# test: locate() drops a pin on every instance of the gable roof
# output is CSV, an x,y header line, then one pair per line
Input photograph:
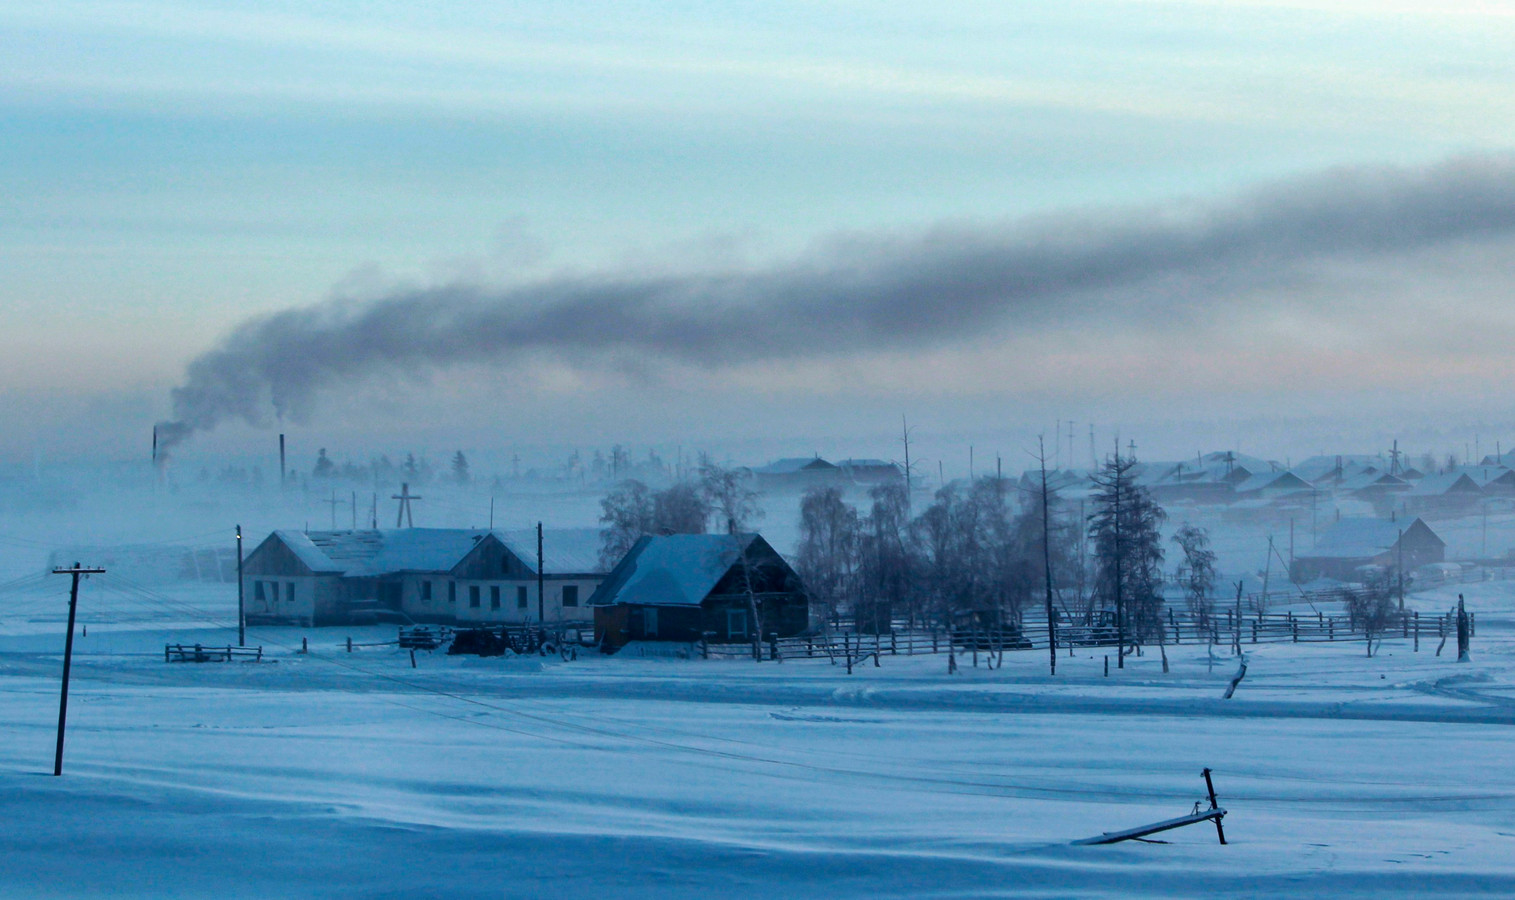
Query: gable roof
x,y
1453,482
792,465
1362,538
564,550
1363,480
1273,481
362,554
674,569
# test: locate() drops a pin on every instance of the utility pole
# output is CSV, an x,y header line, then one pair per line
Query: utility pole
x,y
353,505
333,503
909,477
68,656
403,516
241,609
541,578
1041,446
1120,612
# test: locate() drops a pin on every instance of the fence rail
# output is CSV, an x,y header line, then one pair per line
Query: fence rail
x,y
200,653
842,643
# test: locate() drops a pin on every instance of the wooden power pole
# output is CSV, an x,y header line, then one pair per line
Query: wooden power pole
x,y
241,609
68,656
541,578
1041,445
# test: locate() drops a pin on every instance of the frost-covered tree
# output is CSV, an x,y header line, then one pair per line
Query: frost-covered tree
x,y
1197,572
460,472
827,560
888,565
1372,608
1128,552
325,468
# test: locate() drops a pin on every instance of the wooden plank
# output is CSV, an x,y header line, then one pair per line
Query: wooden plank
x,y
1111,837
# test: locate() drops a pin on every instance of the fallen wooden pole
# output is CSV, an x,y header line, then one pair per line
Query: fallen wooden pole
x,y
1213,814
1111,837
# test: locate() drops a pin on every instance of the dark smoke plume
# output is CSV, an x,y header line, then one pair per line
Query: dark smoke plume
x,y
1168,265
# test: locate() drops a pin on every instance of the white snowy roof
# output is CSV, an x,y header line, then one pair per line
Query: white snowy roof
x,y
361,554
1445,483
564,550
792,465
314,557
1273,481
671,570
1359,538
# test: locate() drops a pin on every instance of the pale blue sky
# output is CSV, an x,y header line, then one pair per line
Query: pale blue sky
x,y
170,168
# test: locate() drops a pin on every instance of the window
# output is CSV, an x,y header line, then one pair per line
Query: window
x,y
258,591
736,623
520,598
425,592
452,592
570,595
494,596
473,596
289,592
649,622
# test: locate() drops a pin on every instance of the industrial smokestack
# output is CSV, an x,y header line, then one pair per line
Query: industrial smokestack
x,y
282,469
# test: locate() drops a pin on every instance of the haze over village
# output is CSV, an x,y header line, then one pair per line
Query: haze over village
x,y
720,449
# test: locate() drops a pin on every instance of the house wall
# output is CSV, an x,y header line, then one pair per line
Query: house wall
x,y
460,611
309,592
510,613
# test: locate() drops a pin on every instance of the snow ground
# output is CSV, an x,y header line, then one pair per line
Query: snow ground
x,y
354,775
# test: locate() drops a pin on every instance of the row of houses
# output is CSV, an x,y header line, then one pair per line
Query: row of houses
x,y
675,587
799,473
1248,484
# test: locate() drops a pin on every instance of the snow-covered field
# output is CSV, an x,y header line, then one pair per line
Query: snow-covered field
x,y
354,775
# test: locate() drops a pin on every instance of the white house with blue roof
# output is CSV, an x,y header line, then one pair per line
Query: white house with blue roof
x,y
446,575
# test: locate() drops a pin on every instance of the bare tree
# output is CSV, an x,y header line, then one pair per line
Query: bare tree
x,y
1197,573
828,550
730,498
1371,608
633,510
680,509
628,513
887,561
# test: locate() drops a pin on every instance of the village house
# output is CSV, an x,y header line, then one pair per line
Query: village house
x,y
796,473
692,587
1351,548
444,575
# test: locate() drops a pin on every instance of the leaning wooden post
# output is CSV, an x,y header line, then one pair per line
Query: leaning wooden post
x,y
1220,831
1462,631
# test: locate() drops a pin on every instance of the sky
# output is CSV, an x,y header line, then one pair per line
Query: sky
x,y
765,227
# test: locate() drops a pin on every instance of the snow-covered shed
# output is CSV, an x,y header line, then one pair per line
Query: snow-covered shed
x,y
449,575
799,471
685,587
1351,543
871,471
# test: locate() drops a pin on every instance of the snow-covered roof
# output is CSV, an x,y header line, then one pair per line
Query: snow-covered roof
x,y
1360,538
361,554
791,465
865,464
564,550
312,555
1445,483
1275,481
671,570
1317,468
1364,480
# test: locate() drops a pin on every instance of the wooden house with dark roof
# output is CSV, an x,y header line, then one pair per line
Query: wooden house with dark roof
x,y
1348,547
689,587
